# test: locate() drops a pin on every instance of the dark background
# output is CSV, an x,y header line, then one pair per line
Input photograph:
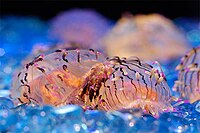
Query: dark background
x,y
112,10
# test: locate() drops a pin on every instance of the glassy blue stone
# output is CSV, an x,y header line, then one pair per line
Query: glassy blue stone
x,y
34,119
188,111
5,92
184,110
168,122
7,120
70,127
6,103
131,119
184,107
193,116
146,123
99,121
71,111
192,127
197,106
198,124
118,123
69,118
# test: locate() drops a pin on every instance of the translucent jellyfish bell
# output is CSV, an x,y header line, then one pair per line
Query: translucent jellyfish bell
x,y
150,37
188,83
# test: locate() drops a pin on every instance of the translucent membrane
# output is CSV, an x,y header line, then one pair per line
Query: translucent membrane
x,y
82,26
145,36
88,79
135,84
54,78
188,83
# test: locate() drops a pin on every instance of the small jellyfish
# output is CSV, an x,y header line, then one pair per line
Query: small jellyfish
x,y
82,26
134,84
188,83
145,36
92,81
54,78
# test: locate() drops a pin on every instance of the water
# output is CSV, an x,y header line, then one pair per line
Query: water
x,y
20,33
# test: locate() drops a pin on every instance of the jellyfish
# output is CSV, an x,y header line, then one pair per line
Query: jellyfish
x,y
82,27
88,79
53,78
188,83
135,84
145,36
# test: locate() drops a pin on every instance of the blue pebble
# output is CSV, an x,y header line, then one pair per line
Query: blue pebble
x,y
6,103
7,120
71,111
197,106
34,119
146,123
99,121
69,118
120,122
168,122
188,111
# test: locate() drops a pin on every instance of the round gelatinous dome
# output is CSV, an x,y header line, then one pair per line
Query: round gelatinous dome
x,y
51,79
188,84
150,37
135,84
81,26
